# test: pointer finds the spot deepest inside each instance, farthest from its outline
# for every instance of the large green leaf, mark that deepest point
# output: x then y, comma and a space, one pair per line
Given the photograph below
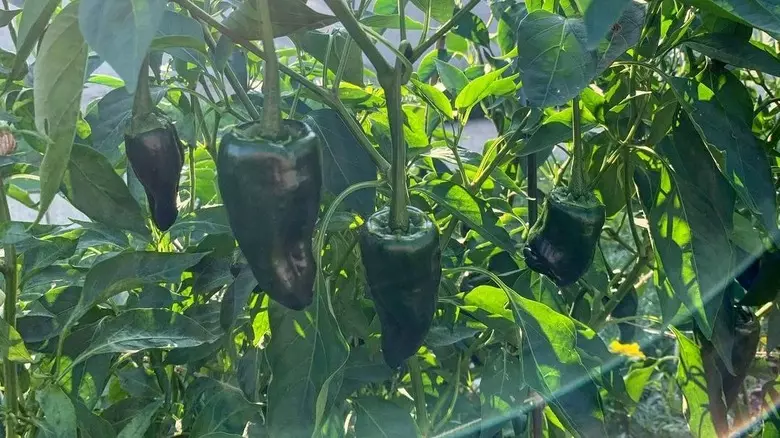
735, 51
717, 113
763, 14
693, 384
689, 213
59, 77
93, 187
142, 329
307, 354
90, 425
441, 10
599, 17
502, 388
35, 18
344, 162
128, 271
59, 415
470, 209
381, 418
553, 55
121, 31
225, 413
287, 17
186, 36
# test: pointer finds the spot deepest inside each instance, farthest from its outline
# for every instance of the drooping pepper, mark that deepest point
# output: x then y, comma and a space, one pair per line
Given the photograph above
562, 243
403, 270
157, 158
271, 191
155, 153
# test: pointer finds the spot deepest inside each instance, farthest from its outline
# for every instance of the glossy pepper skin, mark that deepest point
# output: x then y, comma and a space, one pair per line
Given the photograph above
157, 158
562, 243
271, 190
403, 273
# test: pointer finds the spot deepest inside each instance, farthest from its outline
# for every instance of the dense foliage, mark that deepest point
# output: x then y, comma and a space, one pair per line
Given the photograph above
288, 237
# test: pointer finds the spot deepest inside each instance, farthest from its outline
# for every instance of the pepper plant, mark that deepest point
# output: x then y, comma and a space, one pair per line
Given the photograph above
280, 228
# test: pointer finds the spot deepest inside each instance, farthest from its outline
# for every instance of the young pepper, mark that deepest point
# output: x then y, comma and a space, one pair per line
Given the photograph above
403, 271
562, 243
271, 190
156, 155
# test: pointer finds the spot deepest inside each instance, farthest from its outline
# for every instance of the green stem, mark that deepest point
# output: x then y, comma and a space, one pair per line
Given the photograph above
420, 50
629, 191
327, 98
342, 66
426, 24
598, 322
399, 215
418, 392
9, 315
272, 97
143, 105
577, 184
402, 17
155, 358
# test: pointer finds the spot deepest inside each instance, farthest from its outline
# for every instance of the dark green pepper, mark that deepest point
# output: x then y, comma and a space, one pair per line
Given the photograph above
403, 271
761, 280
157, 158
271, 190
562, 243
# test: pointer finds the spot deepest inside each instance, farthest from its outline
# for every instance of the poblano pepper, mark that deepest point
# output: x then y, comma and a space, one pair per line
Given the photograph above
155, 153
562, 243
403, 270
271, 190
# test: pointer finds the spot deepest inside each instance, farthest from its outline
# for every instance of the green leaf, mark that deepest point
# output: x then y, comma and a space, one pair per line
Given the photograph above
141, 329
690, 213
11, 344
121, 31
763, 14
90, 425
452, 78
46, 253
636, 381
306, 355
315, 43
7, 16
471, 27
599, 17
236, 298
381, 418
434, 97
141, 421
138, 382
720, 119
59, 415
441, 10
287, 17
478, 89
734, 51
59, 77
128, 271
557, 128
554, 59
225, 413
471, 210
93, 187
182, 37
344, 162
693, 384
390, 21
35, 18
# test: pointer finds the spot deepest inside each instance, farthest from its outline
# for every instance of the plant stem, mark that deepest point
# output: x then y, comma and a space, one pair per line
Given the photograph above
629, 191
577, 184
419, 395
272, 97
399, 215
326, 97
9, 315
402, 17
598, 322
420, 50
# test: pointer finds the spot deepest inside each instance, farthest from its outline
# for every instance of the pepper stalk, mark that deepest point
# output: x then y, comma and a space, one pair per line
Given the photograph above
272, 116
578, 185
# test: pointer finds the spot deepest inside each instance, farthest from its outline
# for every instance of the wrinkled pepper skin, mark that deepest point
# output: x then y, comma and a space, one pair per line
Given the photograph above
562, 243
271, 191
403, 273
157, 158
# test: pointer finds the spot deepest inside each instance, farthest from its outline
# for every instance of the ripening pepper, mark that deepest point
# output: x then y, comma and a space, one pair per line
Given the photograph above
403, 271
156, 155
271, 190
562, 243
